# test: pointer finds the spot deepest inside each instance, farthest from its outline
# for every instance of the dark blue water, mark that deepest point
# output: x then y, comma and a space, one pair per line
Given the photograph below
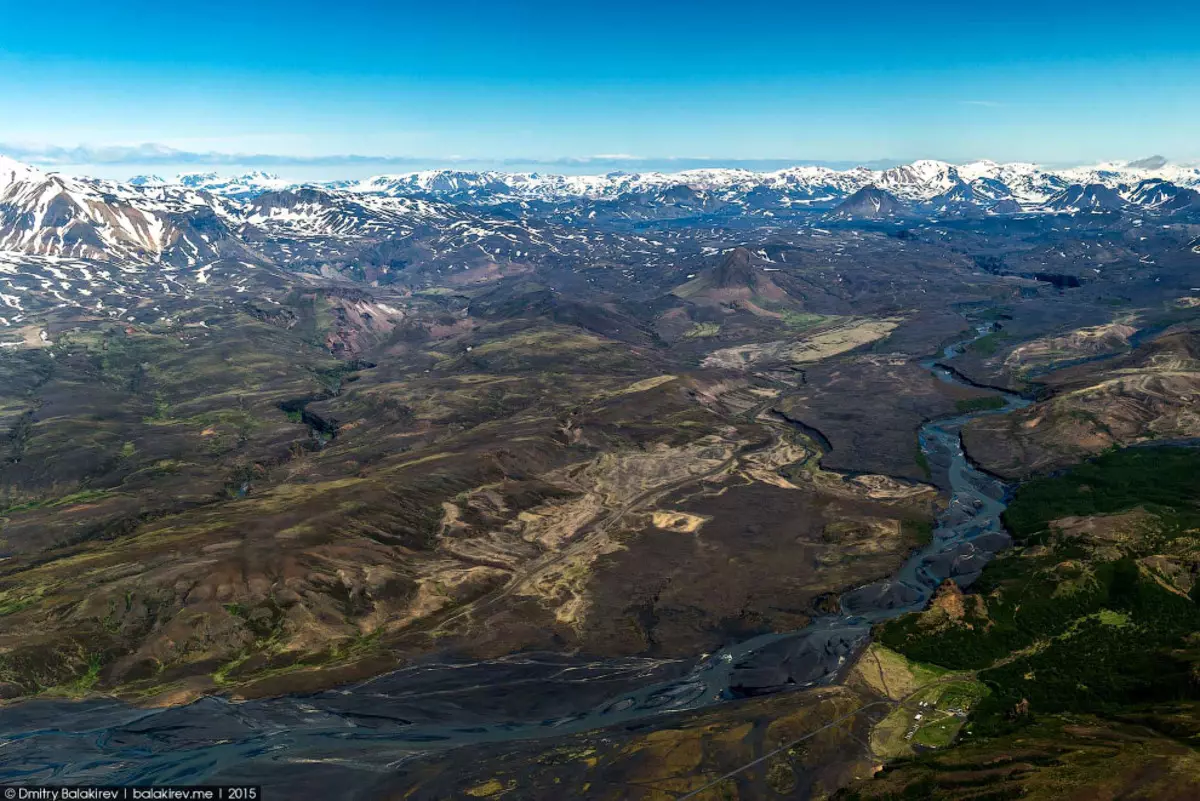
368, 728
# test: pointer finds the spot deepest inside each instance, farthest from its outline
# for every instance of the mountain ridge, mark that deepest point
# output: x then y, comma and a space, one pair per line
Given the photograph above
199, 218
919, 181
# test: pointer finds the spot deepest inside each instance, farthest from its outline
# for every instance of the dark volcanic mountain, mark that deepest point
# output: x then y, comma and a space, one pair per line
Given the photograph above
868, 203
1093, 197
738, 277
961, 198
735, 271
1155, 193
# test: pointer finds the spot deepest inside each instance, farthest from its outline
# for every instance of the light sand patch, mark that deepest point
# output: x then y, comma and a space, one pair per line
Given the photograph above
647, 384
887, 488
842, 339
812, 348
764, 465
890, 674
1173, 575
451, 520
682, 522
29, 336
1080, 343
444, 588
1115, 529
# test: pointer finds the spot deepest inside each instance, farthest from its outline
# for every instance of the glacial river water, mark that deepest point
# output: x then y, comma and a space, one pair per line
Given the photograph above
371, 727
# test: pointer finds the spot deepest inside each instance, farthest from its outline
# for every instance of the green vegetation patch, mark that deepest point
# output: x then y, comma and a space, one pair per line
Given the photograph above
934, 704
1073, 626
922, 462
943, 712
13, 601
988, 345
75, 498
1107, 660
703, 331
1166, 479
919, 531
986, 404
802, 320
1050, 758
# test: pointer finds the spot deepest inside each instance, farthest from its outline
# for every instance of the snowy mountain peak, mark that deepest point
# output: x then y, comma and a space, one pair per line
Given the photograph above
921, 180
194, 179
930, 168
13, 171
245, 185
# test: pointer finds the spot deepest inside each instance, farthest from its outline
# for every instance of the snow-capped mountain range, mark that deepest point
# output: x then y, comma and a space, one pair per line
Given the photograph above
197, 218
115, 247
122, 248
921, 181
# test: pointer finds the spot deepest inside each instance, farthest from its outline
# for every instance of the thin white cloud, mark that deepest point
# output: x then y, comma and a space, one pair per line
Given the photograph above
150, 154
153, 155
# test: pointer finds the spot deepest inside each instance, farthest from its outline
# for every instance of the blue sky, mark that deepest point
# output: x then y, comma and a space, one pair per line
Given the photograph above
539, 82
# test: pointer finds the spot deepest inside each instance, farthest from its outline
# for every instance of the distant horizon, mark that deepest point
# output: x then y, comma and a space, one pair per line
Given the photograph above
123, 163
